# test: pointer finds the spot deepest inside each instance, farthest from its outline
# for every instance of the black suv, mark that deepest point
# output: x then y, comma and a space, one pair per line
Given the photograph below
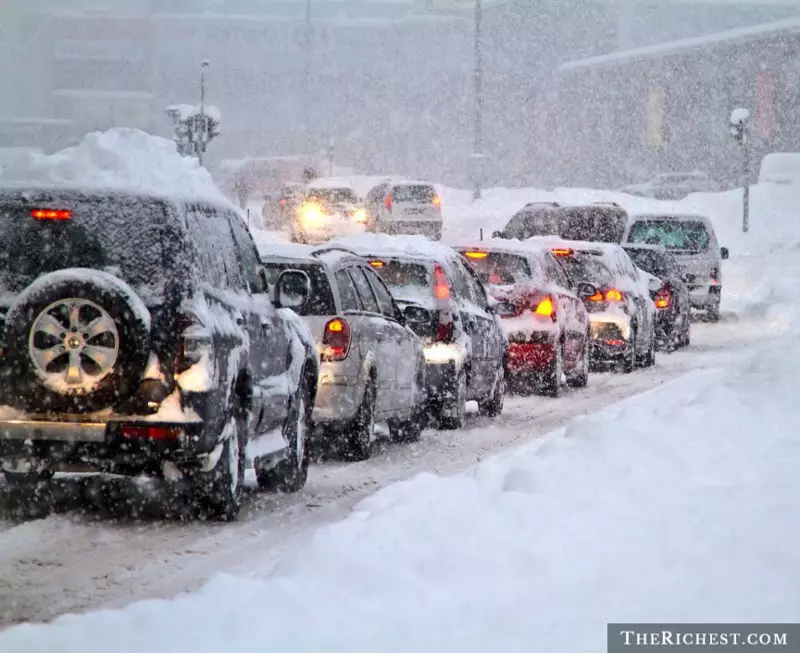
137, 336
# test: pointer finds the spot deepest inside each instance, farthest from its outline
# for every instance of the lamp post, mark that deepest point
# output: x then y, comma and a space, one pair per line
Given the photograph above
739, 130
478, 84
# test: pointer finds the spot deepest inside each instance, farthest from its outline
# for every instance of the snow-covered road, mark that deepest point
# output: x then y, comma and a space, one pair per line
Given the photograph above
74, 562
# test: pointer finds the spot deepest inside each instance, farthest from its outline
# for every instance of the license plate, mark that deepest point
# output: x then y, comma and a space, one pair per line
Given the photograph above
415, 211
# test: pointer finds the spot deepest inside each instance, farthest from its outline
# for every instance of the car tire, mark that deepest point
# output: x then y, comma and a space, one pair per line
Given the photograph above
96, 295
219, 491
551, 379
410, 429
455, 407
580, 379
359, 434
649, 359
291, 473
493, 406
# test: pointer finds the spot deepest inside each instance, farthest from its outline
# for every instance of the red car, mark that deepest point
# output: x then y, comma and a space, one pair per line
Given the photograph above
543, 315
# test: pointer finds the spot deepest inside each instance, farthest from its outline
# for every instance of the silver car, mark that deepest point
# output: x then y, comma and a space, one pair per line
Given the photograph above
372, 366
693, 243
405, 207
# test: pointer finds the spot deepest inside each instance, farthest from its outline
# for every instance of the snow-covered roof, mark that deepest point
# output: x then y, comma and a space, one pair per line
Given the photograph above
554, 242
330, 182
416, 247
730, 37
521, 247
678, 217
293, 251
124, 160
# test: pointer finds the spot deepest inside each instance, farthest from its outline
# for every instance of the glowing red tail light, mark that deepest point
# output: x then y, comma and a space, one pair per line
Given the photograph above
151, 432
663, 298
388, 201
336, 340
51, 214
283, 202
441, 288
611, 295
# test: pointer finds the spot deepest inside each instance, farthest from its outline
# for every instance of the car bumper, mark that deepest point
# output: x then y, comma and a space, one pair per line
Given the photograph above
609, 340
428, 228
338, 397
704, 297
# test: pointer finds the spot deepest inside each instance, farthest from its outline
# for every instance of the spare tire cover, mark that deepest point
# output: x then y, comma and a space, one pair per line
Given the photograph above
76, 341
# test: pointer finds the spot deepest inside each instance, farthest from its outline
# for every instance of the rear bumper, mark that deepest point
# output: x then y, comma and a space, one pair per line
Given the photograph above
338, 398
430, 228
705, 297
609, 341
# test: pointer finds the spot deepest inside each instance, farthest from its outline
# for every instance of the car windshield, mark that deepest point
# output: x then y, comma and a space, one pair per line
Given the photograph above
499, 269
405, 280
418, 193
659, 264
672, 234
122, 234
587, 268
320, 301
332, 195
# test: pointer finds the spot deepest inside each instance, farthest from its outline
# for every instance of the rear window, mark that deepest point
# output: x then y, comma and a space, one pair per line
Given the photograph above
658, 264
672, 234
129, 235
405, 280
595, 225
332, 195
527, 224
321, 301
587, 268
417, 193
500, 269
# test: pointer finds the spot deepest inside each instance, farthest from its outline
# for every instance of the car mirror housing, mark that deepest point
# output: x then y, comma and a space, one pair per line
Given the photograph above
292, 289
585, 290
414, 314
724, 253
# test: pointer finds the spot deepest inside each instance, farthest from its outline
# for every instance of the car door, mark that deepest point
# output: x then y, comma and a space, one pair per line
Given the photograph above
378, 338
403, 342
270, 353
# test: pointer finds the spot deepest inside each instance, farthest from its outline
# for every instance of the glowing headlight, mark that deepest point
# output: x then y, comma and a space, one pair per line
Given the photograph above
311, 214
360, 216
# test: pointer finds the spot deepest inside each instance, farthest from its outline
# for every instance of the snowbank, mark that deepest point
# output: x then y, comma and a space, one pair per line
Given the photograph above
678, 506
123, 159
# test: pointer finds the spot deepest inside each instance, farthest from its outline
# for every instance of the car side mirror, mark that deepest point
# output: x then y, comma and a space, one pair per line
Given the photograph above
724, 253
292, 289
262, 275
654, 284
414, 314
585, 290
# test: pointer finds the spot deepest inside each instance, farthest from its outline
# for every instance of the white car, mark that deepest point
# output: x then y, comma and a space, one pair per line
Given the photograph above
329, 208
405, 207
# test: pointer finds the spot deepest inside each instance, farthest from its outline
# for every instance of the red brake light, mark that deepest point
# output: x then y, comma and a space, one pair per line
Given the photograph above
444, 329
336, 340
563, 251
545, 308
476, 254
441, 289
613, 296
388, 201
151, 432
663, 298
51, 214
283, 202
597, 297
437, 201
376, 264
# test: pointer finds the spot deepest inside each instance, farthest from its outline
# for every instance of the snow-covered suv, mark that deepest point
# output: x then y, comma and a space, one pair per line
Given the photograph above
137, 336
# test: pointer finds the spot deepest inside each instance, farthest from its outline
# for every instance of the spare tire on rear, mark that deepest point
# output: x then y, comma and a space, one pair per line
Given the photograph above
76, 341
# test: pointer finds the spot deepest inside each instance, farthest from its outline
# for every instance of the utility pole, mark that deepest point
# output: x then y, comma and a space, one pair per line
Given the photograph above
307, 45
203, 131
478, 81
739, 130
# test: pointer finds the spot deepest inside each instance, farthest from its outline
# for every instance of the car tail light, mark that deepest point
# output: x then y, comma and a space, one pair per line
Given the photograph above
151, 432
714, 276
388, 201
436, 201
613, 295
441, 288
51, 214
283, 202
445, 328
195, 342
546, 308
563, 251
473, 254
376, 264
336, 340
663, 298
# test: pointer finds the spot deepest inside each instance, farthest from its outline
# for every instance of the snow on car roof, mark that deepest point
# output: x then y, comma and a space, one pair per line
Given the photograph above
383, 245
677, 217
521, 247
330, 182
124, 160
554, 242
270, 251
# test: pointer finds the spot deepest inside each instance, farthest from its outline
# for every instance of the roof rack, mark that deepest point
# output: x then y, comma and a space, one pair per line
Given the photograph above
326, 250
619, 206
555, 205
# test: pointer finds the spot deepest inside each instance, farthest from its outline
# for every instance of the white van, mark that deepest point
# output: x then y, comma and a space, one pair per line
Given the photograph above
780, 168
405, 207
693, 243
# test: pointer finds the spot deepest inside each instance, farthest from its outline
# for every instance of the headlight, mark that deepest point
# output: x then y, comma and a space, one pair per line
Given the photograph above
360, 216
311, 214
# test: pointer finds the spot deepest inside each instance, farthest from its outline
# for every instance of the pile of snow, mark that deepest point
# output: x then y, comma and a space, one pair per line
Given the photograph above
678, 505
120, 159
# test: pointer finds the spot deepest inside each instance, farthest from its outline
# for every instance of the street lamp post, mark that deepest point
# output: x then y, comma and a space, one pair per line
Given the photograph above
203, 129
739, 130
478, 82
